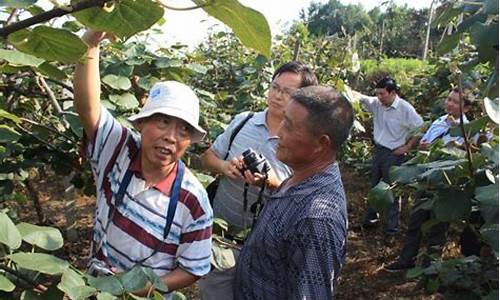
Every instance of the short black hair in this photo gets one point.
(307, 76)
(387, 83)
(329, 111)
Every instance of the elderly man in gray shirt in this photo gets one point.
(394, 121)
(297, 248)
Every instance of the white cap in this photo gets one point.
(175, 99)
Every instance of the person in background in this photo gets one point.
(436, 236)
(297, 247)
(394, 123)
(151, 210)
(260, 134)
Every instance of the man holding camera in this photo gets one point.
(260, 134)
(151, 210)
(297, 247)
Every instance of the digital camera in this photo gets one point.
(254, 162)
(98, 268)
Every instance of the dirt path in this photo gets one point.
(361, 278)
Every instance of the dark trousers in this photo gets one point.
(383, 160)
(436, 236)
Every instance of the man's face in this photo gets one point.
(385, 97)
(453, 105)
(297, 144)
(164, 139)
(279, 93)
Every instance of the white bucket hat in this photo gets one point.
(175, 99)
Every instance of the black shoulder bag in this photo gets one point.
(212, 187)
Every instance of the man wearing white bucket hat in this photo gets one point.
(151, 210)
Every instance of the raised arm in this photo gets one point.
(87, 84)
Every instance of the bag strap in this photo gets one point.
(174, 198)
(235, 132)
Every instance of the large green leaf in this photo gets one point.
(488, 202)
(47, 238)
(134, 279)
(49, 43)
(491, 107)
(74, 286)
(41, 262)
(5, 284)
(124, 19)
(222, 256)
(17, 3)
(17, 58)
(7, 115)
(491, 153)
(106, 296)
(51, 71)
(491, 7)
(249, 25)
(9, 235)
(125, 101)
(471, 128)
(448, 43)
(155, 280)
(8, 134)
(117, 82)
(380, 197)
(485, 37)
(107, 284)
(451, 205)
(489, 232)
(406, 173)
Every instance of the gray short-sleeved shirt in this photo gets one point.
(228, 201)
(392, 125)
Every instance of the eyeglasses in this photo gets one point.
(284, 91)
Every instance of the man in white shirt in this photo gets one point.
(394, 122)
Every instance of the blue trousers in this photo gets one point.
(383, 160)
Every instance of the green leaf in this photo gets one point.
(491, 153)
(105, 296)
(451, 205)
(405, 174)
(47, 238)
(380, 197)
(489, 232)
(17, 58)
(52, 71)
(491, 107)
(414, 273)
(75, 124)
(8, 134)
(485, 37)
(117, 82)
(108, 284)
(49, 43)
(17, 3)
(9, 235)
(178, 296)
(7, 115)
(493, 295)
(249, 25)
(156, 280)
(491, 7)
(147, 82)
(449, 43)
(487, 196)
(126, 18)
(125, 101)
(471, 128)
(134, 279)
(73, 284)
(5, 284)
(40, 262)
(222, 256)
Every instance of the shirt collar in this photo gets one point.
(164, 185)
(395, 103)
(260, 118)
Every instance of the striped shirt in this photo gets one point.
(228, 201)
(392, 125)
(297, 248)
(137, 225)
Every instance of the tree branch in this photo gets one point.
(64, 85)
(52, 98)
(19, 275)
(48, 15)
(184, 8)
(462, 128)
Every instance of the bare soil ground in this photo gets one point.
(361, 278)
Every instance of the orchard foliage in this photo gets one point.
(231, 72)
